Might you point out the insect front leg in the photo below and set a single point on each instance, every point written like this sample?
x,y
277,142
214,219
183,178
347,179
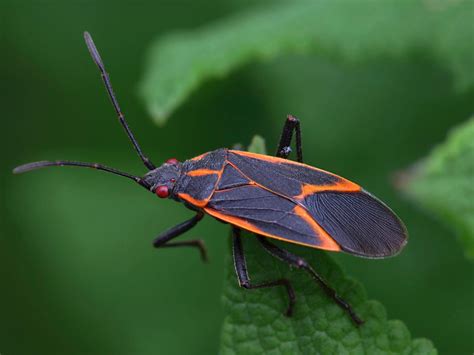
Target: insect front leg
x,y
240,266
300,263
163,240
284,147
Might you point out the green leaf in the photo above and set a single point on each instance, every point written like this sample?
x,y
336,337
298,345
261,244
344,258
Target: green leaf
x,y
444,183
181,61
257,145
255,323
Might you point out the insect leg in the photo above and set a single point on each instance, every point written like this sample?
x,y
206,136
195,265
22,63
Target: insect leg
x,y
240,266
163,240
300,263
284,147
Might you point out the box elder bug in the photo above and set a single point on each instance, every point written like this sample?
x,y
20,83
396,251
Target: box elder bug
x,y
272,197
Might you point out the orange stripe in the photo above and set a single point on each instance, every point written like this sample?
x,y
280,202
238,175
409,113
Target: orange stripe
x,y
343,186
327,243
199,157
201,172
265,157
250,227
192,200
277,160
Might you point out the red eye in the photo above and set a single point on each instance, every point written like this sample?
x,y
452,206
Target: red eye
x,y
162,191
172,161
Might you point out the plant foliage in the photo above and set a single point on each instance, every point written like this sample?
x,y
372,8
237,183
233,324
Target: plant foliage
x,y
180,62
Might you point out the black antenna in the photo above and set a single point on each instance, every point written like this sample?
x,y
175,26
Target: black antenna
x,y
106,79
42,164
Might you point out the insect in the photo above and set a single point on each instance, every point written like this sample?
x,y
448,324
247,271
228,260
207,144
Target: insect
x,y
272,197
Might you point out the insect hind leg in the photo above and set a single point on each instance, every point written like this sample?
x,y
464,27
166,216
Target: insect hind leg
x,y
292,124
240,265
300,263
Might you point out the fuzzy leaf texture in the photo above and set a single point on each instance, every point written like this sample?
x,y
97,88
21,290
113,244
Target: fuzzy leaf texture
x,y
352,31
443,183
255,323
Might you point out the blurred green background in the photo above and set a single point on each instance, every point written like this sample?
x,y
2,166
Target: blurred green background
x,y
77,270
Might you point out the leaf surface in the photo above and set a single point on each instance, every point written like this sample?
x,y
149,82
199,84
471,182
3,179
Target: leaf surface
x,y
443,183
180,62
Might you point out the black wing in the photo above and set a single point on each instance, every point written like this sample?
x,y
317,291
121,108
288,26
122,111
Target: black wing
x,y
359,222
240,202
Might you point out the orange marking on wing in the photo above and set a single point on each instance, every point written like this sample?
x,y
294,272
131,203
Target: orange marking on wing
x,y
265,157
192,200
201,172
327,243
278,160
199,157
343,186
250,227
